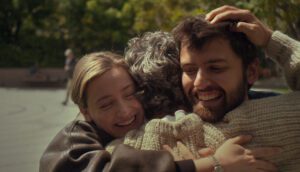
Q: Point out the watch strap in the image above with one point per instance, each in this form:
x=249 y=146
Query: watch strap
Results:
x=217 y=165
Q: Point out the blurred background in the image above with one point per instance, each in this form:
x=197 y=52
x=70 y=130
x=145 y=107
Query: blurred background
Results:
x=36 y=32
x=34 y=35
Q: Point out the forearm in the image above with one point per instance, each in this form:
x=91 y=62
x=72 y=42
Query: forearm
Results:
x=204 y=164
x=126 y=158
x=286 y=52
x=93 y=158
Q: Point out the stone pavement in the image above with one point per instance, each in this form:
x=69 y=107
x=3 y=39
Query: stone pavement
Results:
x=29 y=120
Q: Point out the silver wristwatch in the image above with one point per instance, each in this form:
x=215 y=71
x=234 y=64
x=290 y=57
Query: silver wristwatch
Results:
x=217 y=165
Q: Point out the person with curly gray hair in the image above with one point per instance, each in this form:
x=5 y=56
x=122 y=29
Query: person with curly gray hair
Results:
x=153 y=61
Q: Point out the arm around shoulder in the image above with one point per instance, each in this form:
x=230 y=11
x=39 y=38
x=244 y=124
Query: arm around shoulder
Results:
x=127 y=159
x=75 y=148
x=78 y=147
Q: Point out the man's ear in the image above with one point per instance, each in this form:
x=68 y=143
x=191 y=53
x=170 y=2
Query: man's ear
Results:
x=85 y=113
x=252 y=72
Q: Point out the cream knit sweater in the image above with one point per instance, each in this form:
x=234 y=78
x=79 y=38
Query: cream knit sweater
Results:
x=286 y=52
x=273 y=121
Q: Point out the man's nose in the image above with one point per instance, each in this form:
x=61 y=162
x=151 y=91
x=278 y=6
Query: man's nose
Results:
x=201 y=81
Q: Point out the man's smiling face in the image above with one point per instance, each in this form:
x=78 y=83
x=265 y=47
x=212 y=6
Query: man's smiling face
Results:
x=213 y=79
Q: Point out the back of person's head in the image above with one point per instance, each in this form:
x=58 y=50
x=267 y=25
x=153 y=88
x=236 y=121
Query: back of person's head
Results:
x=194 y=32
x=154 y=64
x=89 y=67
x=68 y=52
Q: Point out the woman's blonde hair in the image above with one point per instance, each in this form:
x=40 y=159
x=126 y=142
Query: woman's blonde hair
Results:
x=89 y=67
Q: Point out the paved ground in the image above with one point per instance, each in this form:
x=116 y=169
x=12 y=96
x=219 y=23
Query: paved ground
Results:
x=29 y=119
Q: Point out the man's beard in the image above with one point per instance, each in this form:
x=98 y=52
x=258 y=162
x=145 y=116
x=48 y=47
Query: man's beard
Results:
x=228 y=103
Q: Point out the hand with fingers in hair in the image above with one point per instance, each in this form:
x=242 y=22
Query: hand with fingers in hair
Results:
x=258 y=33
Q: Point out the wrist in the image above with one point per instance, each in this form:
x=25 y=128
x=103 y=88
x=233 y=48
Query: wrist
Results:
x=204 y=165
x=269 y=33
x=216 y=164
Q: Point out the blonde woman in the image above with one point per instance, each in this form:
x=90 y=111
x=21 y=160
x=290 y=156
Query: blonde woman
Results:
x=105 y=94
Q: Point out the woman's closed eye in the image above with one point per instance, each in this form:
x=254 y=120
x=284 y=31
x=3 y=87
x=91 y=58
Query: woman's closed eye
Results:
x=106 y=105
x=130 y=95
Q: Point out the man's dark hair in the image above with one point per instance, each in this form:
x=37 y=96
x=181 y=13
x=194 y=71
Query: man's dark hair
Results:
x=195 y=32
x=153 y=60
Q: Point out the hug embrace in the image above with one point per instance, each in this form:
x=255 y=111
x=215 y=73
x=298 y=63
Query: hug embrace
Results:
x=205 y=68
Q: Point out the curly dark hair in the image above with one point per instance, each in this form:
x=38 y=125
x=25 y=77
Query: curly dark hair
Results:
x=195 y=32
x=153 y=60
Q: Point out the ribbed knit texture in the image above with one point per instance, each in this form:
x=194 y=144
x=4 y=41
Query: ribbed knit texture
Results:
x=273 y=121
x=286 y=52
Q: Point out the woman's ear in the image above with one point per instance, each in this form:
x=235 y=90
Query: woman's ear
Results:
x=85 y=113
x=252 y=72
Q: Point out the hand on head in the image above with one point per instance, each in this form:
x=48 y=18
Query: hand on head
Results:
x=258 y=33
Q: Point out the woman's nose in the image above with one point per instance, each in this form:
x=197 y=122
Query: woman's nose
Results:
x=125 y=110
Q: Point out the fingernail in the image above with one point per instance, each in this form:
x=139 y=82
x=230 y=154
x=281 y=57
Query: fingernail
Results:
x=206 y=17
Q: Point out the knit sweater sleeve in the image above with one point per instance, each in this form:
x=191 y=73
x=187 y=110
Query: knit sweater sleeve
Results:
x=286 y=52
x=158 y=132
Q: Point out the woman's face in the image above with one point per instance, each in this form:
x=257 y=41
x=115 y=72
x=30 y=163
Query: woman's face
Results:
x=111 y=103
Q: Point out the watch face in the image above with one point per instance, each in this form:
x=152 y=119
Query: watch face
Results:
x=218 y=168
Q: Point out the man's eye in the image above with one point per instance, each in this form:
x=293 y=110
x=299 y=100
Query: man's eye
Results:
x=191 y=71
x=216 y=69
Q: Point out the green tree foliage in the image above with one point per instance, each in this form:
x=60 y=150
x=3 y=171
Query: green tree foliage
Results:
x=160 y=14
x=40 y=30
x=91 y=25
x=21 y=40
x=18 y=15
